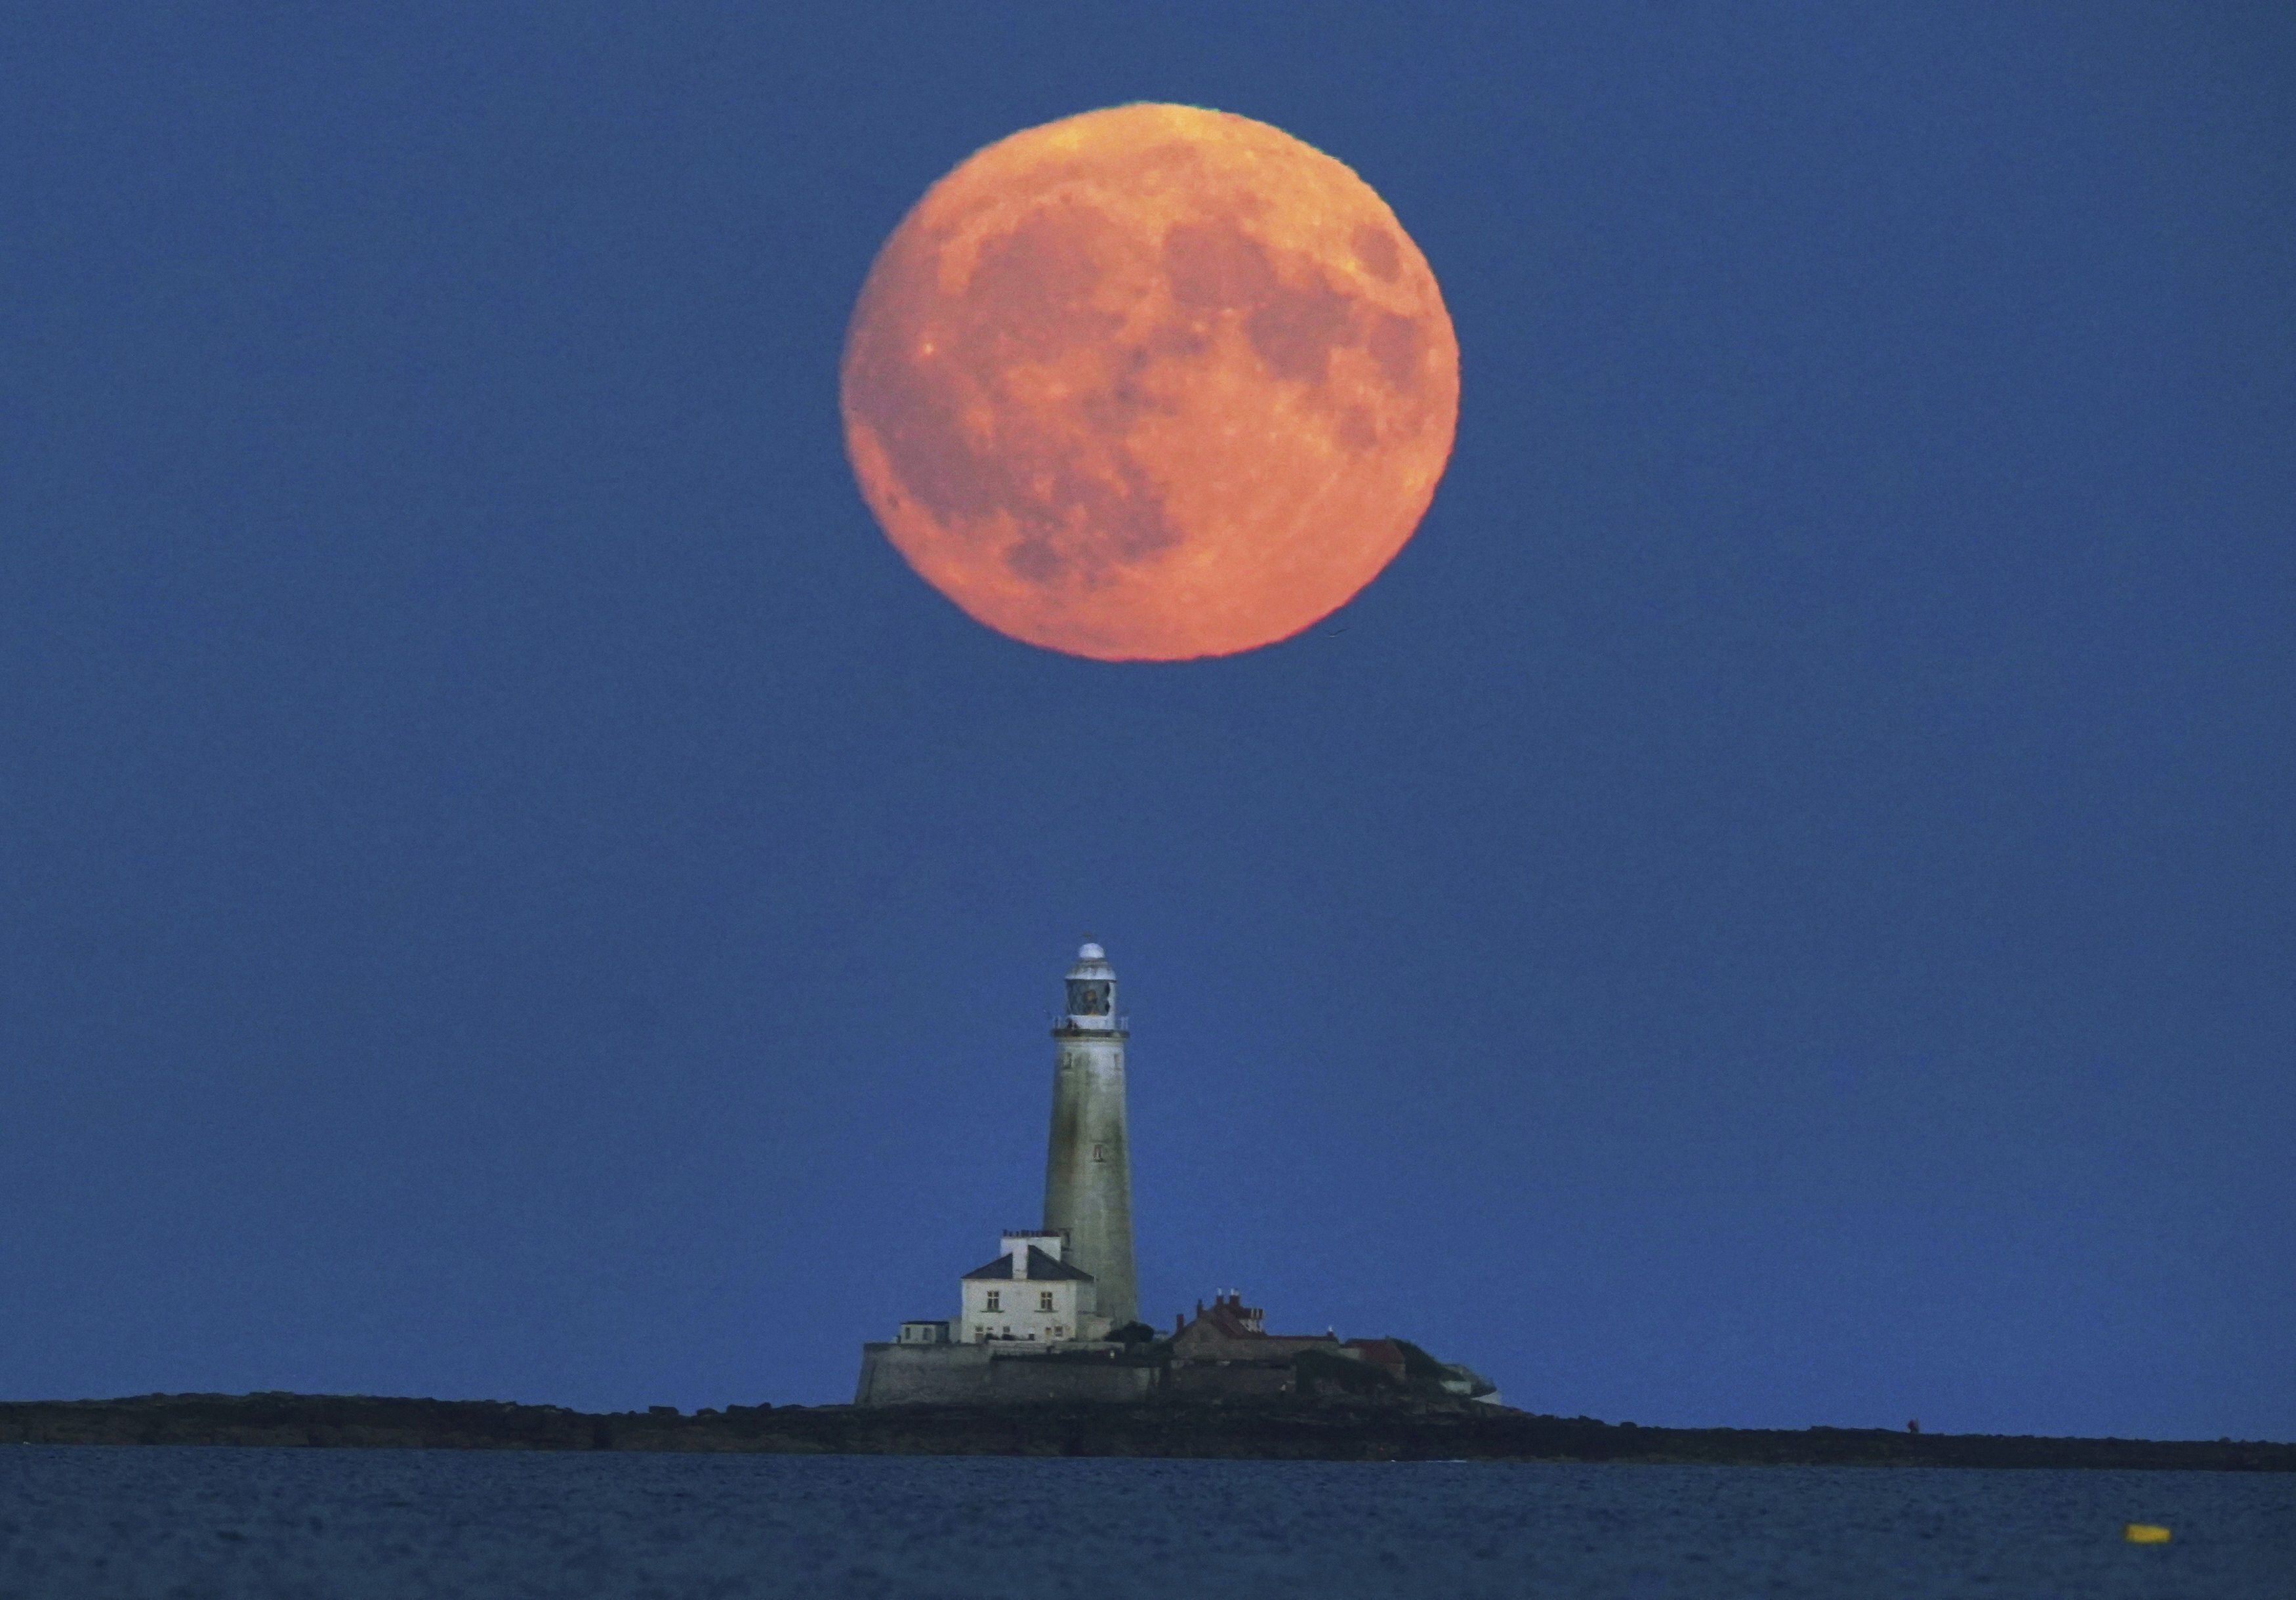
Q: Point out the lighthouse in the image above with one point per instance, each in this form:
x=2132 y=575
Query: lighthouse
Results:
x=1087 y=1168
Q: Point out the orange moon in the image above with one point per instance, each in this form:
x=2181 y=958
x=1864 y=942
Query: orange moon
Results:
x=1150 y=383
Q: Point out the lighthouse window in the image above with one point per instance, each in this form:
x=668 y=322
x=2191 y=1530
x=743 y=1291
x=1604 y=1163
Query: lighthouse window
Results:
x=1100 y=1153
x=1088 y=997
x=1044 y=1300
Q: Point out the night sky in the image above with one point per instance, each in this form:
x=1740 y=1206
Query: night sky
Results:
x=1773 y=909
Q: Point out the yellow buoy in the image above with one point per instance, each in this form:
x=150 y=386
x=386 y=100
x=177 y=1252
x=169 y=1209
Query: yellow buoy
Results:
x=2144 y=1533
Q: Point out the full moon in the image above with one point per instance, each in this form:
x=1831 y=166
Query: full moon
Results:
x=1150 y=383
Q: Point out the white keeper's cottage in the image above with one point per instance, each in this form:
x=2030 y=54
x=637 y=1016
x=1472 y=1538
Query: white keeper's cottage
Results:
x=1030 y=1293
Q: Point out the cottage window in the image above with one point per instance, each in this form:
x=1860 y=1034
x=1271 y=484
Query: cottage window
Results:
x=995 y=1295
x=1044 y=1300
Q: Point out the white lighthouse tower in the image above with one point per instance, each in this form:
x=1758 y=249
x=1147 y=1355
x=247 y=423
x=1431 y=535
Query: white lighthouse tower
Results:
x=1087 y=1170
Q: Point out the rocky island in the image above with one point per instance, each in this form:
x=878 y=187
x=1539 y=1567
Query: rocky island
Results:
x=1269 y=1427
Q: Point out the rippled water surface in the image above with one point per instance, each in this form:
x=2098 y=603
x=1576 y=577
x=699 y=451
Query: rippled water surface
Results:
x=96 y=1521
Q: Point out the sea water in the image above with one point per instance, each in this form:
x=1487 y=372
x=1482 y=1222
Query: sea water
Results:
x=94 y=1522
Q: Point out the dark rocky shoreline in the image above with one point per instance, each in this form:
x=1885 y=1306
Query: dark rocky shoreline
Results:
x=1264 y=1430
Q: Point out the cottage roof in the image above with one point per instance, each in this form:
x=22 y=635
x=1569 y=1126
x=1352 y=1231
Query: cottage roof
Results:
x=1041 y=1266
x=1380 y=1352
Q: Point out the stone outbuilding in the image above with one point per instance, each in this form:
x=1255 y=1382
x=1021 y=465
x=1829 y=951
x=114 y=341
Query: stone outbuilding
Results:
x=1226 y=1349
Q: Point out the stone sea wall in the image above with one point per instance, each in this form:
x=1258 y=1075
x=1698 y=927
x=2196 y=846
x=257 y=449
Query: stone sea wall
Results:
x=984 y=1373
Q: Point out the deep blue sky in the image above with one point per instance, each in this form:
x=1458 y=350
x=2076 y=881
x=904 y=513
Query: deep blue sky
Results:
x=1775 y=910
